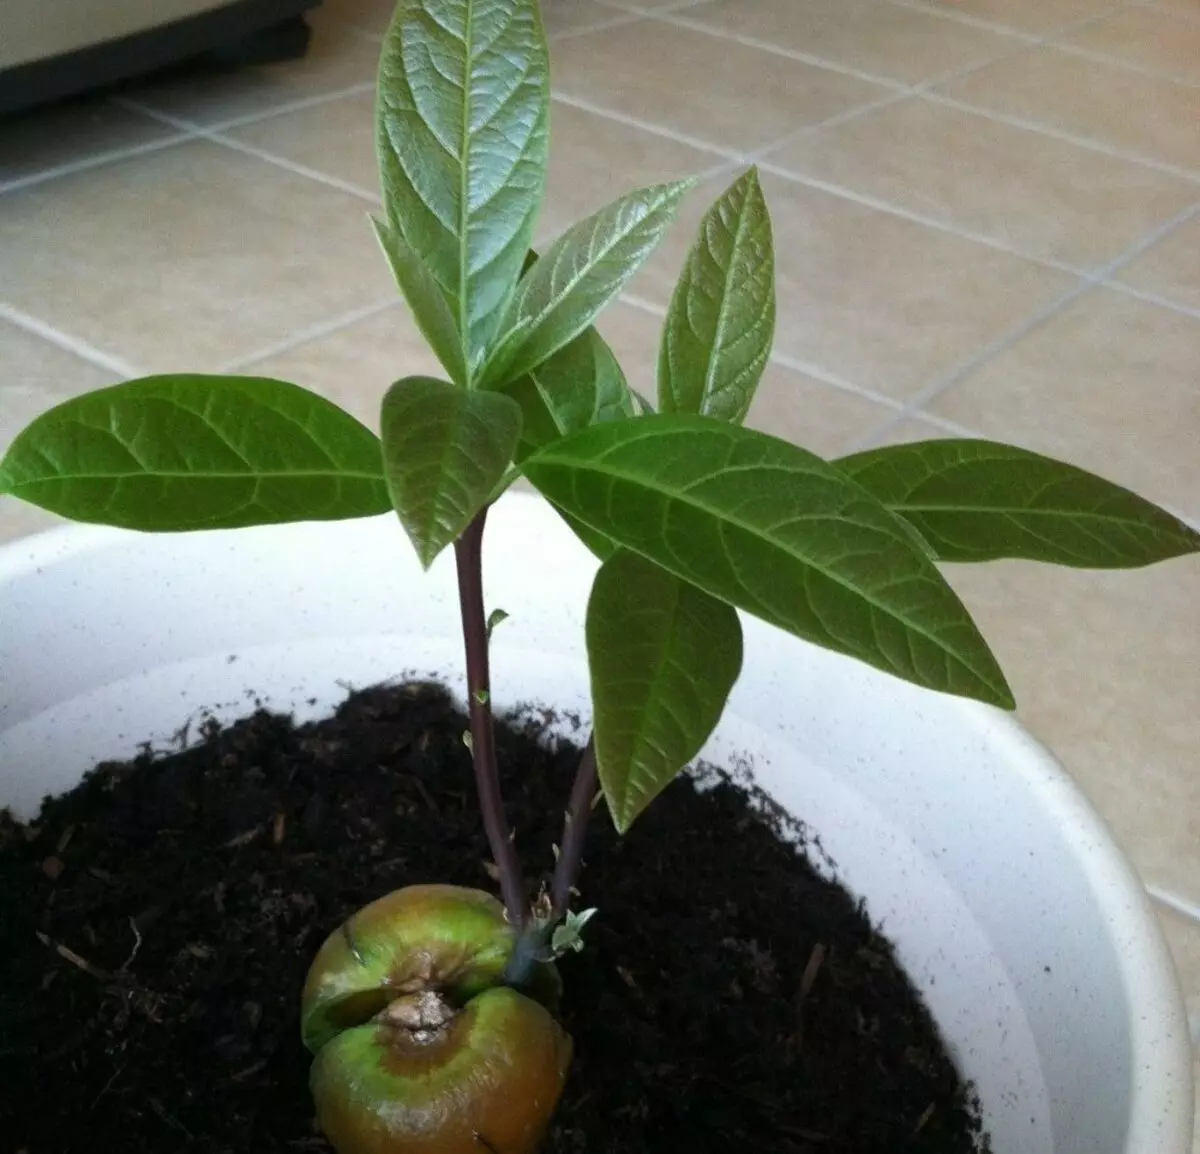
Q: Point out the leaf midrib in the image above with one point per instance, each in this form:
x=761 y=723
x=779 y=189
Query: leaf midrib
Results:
x=754 y=531
x=205 y=475
x=655 y=686
x=723 y=308
x=463 y=214
x=1014 y=511
x=533 y=322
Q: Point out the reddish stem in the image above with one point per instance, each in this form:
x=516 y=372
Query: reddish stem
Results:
x=468 y=550
x=570 y=853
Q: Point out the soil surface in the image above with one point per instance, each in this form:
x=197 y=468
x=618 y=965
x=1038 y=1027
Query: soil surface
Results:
x=156 y=925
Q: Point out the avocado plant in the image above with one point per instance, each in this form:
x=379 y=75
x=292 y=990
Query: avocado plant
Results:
x=431 y=1012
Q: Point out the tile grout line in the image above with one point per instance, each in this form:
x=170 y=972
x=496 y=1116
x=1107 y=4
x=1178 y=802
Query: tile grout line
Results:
x=619 y=19
x=926 y=88
x=645 y=126
x=300 y=104
x=671 y=17
x=1152 y=298
x=986 y=25
x=78 y=347
x=934 y=223
x=1048 y=130
x=313 y=332
x=213 y=136
x=1124 y=65
x=182 y=135
x=816 y=372
x=99 y=160
x=916 y=404
x=1180 y=905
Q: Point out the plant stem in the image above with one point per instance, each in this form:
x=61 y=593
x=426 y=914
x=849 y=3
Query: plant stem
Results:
x=468 y=551
x=579 y=810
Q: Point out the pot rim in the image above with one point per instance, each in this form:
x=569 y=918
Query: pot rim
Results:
x=1160 y=1107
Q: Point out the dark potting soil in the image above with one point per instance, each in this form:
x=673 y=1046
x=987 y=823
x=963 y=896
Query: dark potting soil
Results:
x=156 y=925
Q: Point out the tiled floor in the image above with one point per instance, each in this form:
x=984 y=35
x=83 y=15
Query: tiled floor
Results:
x=988 y=221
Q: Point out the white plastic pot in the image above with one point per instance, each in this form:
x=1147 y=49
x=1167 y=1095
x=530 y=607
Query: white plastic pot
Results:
x=1011 y=907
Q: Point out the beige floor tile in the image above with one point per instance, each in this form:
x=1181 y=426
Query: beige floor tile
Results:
x=1171 y=268
x=1033 y=16
x=871 y=36
x=373 y=15
x=1139 y=115
x=1110 y=385
x=1183 y=936
x=1189 y=7
x=565 y=17
x=338 y=58
x=788 y=404
x=749 y=97
x=71 y=134
x=355 y=365
x=18 y=520
x=1161 y=41
x=1041 y=196
x=188 y=257
x=336 y=137
x=871 y=298
x=35 y=376
x=593 y=160
x=559 y=16
x=1104 y=670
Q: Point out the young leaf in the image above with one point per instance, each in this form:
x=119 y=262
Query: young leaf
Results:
x=444 y=450
x=776 y=531
x=495 y=617
x=980 y=501
x=721 y=321
x=462 y=135
x=181 y=452
x=580 y=273
x=425 y=298
x=580 y=385
x=663 y=657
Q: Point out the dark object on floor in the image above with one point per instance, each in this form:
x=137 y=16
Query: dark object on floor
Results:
x=156 y=925
x=287 y=40
x=246 y=31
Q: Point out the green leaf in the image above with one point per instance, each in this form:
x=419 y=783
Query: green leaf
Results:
x=444 y=450
x=663 y=657
x=461 y=118
x=580 y=385
x=980 y=501
x=775 y=531
x=495 y=617
x=578 y=275
x=568 y=934
x=721 y=321
x=181 y=452
x=425 y=298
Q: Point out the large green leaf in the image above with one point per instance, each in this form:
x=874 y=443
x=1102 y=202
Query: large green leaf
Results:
x=663 y=657
x=582 y=384
x=776 y=531
x=445 y=451
x=425 y=298
x=719 y=327
x=980 y=501
x=462 y=136
x=578 y=275
x=179 y=452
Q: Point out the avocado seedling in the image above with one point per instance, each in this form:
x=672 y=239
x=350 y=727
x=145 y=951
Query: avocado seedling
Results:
x=430 y=1013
